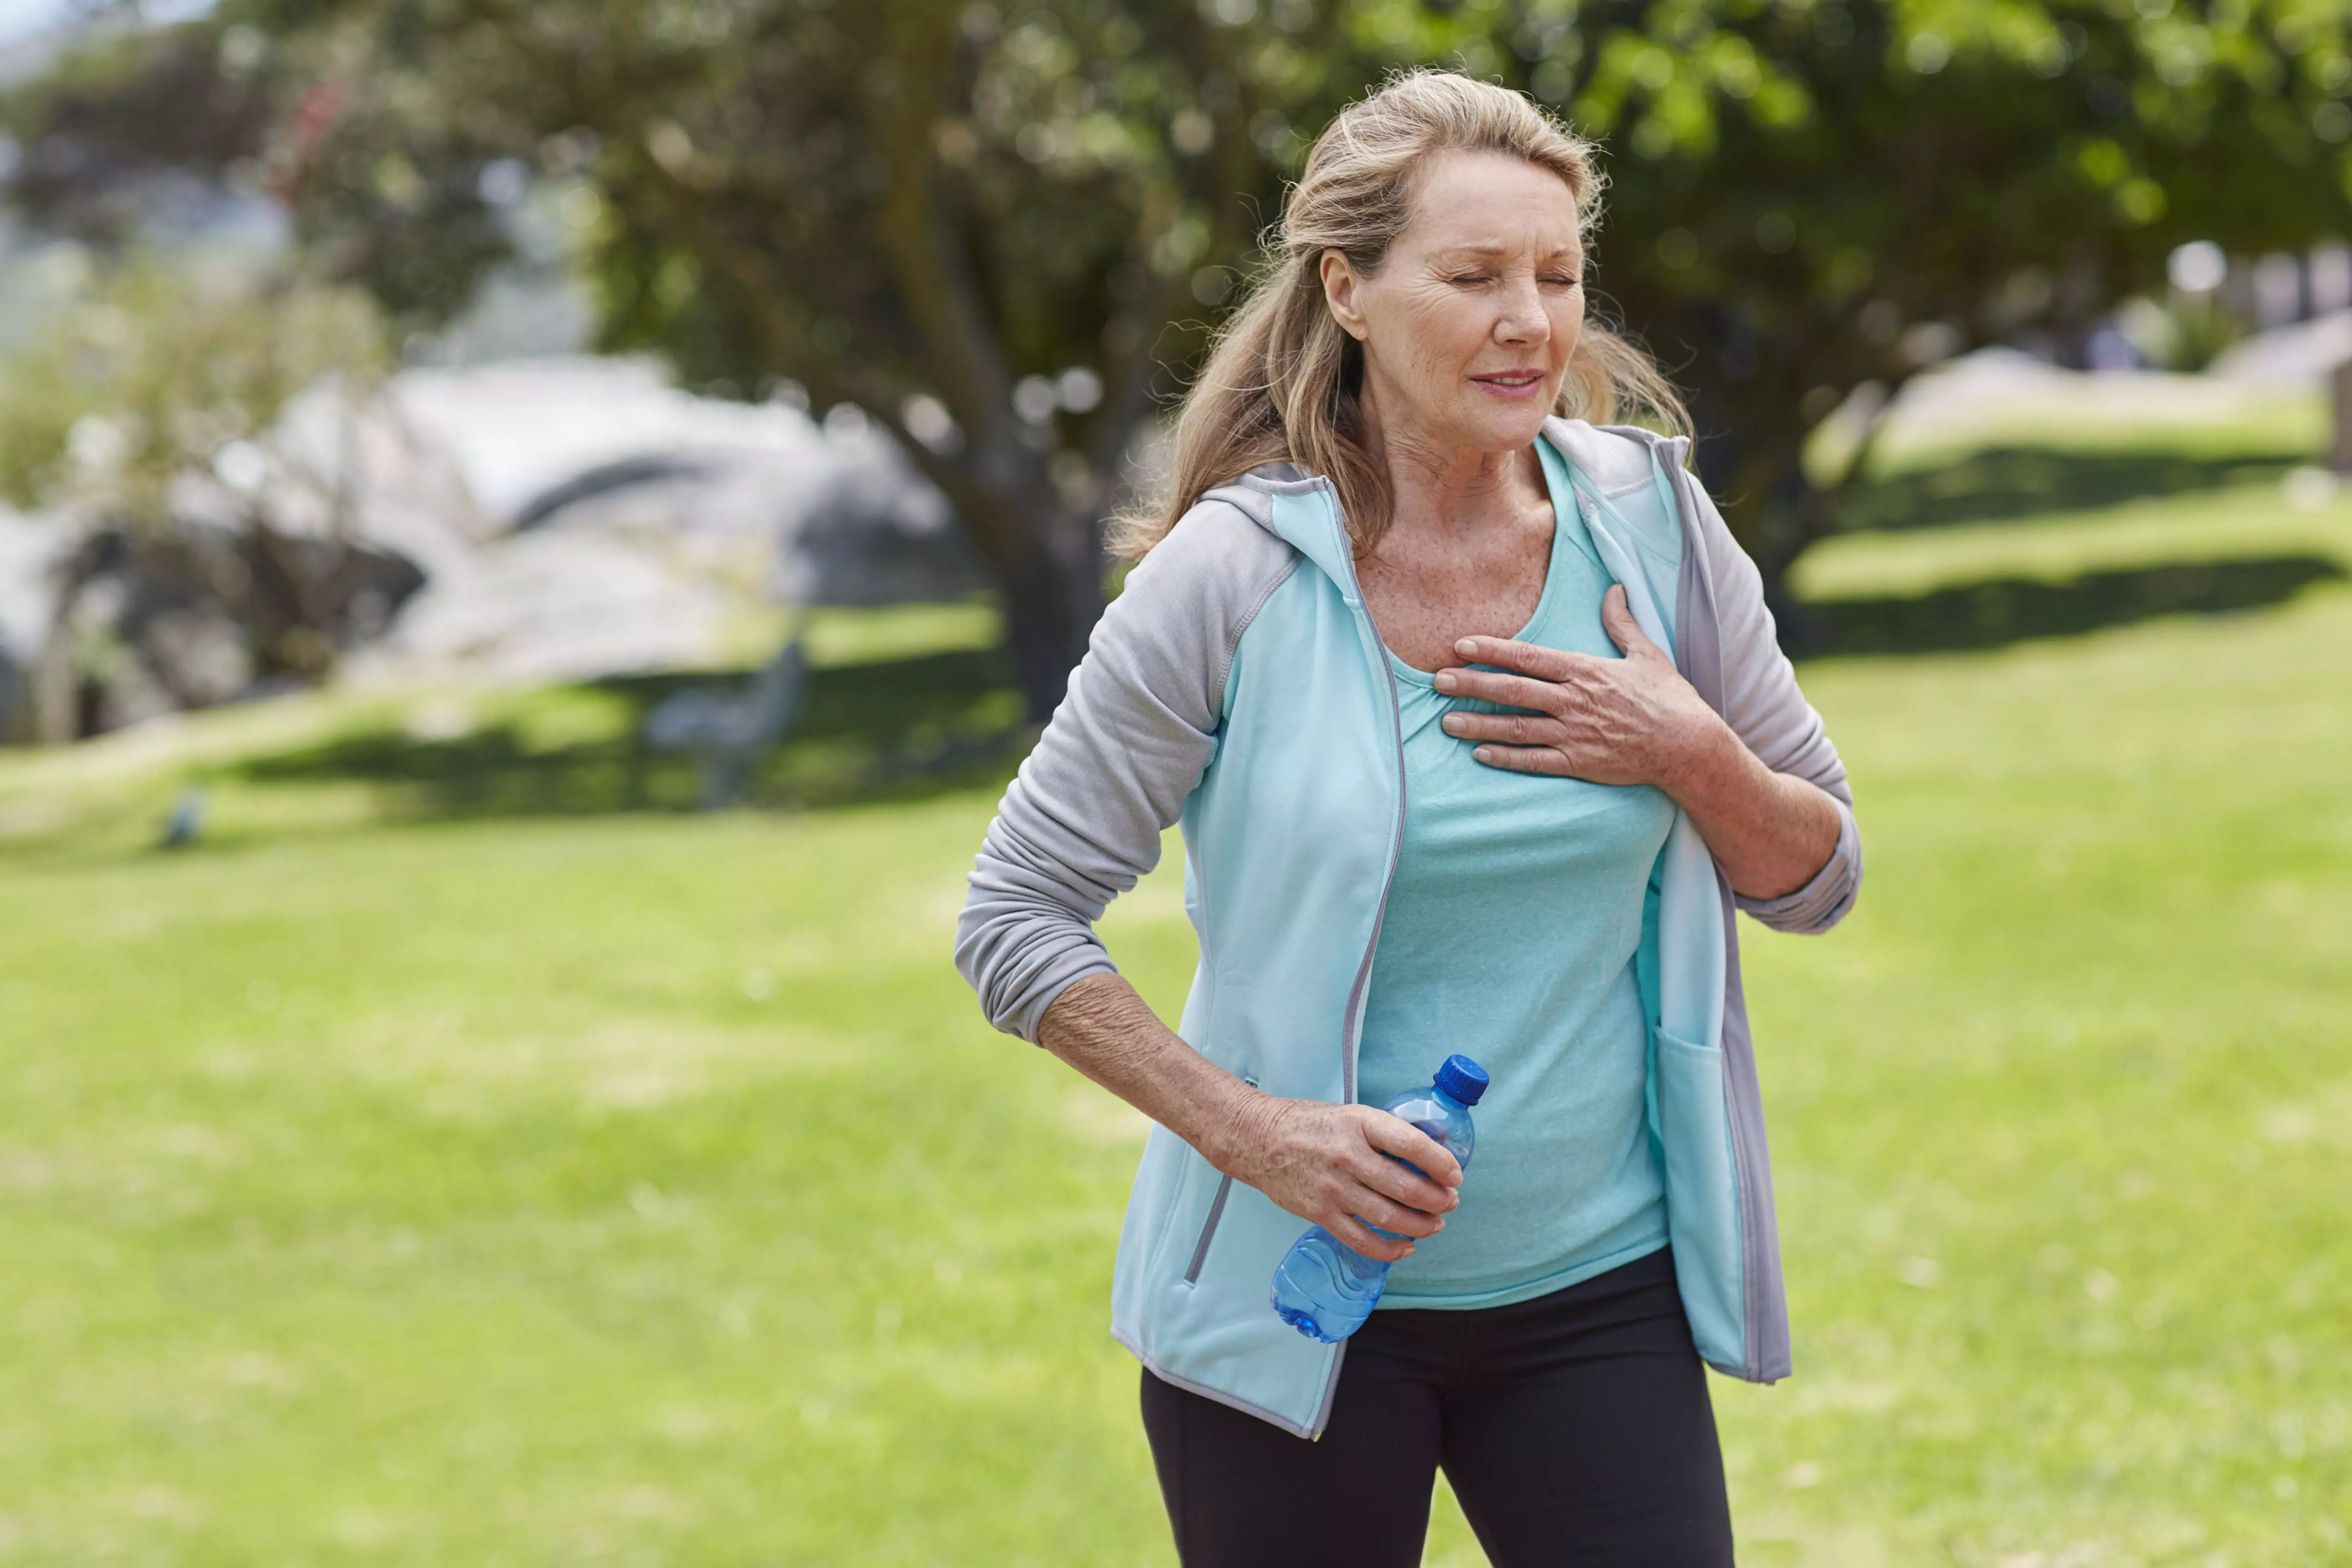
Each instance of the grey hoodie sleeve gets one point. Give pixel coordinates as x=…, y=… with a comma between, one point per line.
x=1765, y=709
x=1082, y=820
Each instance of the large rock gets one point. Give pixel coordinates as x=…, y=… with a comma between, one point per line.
x=551, y=520
x=33, y=551
x=555, y=607
x=2001, y=396
x=834, y=510
x=2304, y=353
x=639, y=528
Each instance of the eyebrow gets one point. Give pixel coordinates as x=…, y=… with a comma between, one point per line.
x=1491, y=248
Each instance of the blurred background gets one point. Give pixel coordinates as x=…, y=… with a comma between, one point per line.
x=531, y=536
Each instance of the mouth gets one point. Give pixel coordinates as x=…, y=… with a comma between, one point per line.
x=1510, y=383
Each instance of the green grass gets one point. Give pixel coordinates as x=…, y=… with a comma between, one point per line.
x=2062, y=1115
x=541, y=1184
x=2253, y=520
x=2042, y=428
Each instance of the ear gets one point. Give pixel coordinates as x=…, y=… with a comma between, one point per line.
x=1341, y=282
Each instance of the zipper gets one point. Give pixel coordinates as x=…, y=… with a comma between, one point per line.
x=1753, y=1289
x=1208, y=1230
x=1216, y=1218
x=1359, y=993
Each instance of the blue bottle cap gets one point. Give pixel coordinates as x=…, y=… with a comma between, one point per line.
x=1462, y=1078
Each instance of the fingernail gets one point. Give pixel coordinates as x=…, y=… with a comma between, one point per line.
x=1465, y=646
x=1444, y=682
x=1483, y=754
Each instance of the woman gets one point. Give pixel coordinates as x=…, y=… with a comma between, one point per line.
x=1471, y=713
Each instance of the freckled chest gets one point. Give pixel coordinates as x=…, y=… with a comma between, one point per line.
x=1425, y=591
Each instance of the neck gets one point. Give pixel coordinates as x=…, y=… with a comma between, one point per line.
x=1446, y=486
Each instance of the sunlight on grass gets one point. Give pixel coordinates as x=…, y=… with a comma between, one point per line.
x=839, y=635
x=2172, y=416
x=2265, y=517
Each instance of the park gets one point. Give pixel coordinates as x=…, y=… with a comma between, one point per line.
x=454, y=1114
x=406, y=1175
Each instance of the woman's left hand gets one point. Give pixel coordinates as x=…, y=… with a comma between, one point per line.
x=1628, y=721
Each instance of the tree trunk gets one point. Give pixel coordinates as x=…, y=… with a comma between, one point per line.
x=1049, y=572
x=1749, y=455
x=1776, y=516
x=1046, y=626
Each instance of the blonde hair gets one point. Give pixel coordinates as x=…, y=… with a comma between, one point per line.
x=1282, y=382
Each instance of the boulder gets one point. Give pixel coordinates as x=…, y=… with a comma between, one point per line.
x=554, y=605
x=635, y=527
x=552, y=519
x=32, y=552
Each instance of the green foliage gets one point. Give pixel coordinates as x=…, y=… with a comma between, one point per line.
x=128, y=107
x=913, y=205
x=880, y=202
x=154, y=372
x=2187, y=333
x=1816, y=193
x=1807, y=195
x=989, y=227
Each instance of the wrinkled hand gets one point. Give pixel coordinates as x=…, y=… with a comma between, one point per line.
x=1626, y=720
x=1328, y=1163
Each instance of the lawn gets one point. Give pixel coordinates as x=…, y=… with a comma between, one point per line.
x=412, y=1173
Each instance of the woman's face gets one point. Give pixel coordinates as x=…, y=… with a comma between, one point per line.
x=1468, y=325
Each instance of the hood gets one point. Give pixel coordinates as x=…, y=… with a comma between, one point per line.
x=1303, y=512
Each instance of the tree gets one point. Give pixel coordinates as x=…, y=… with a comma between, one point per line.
x=1815, y=194
x=989, y=230
x=994, y=225
x=206, y=535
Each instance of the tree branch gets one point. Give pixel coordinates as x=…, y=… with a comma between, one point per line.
x=929, y=258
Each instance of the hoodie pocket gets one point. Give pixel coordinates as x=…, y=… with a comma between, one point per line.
x=1703, y=1215
x=1199, y=1258
x=1208, y=1231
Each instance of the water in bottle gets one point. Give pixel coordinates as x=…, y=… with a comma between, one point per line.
x=1324, y=1288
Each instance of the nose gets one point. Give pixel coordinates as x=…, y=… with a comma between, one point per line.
x=1520, y=318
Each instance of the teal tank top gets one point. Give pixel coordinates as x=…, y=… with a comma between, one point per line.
x=1510, y=936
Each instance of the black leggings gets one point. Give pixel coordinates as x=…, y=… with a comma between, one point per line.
x=1575, y=1428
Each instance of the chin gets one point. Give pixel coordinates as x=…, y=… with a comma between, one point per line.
x=1506, y=429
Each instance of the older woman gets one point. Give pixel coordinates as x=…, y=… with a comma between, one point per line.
x=1471, y=713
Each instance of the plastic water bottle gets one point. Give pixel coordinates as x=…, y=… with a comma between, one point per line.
x=1325, y=1290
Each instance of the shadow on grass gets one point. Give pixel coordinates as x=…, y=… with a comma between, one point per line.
x=905, y=729
x=1999, y=611
x=2005, y=482
x=892, y=731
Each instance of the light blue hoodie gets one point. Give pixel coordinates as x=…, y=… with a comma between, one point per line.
x=1238, y=685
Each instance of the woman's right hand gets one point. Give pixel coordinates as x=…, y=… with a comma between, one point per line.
x=1324, y=1163
x=1330, y=1163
